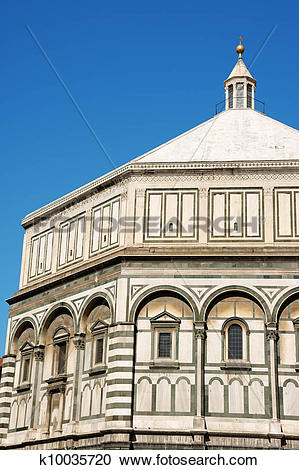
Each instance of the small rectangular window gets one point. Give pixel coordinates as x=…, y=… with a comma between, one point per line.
x=164, y=347
x=61, y=359
x=240, y=95
x=249, y=96
x=99, y=350
x=230, y=96
x=26, y=365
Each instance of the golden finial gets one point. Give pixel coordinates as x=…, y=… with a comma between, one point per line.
x=240, y=48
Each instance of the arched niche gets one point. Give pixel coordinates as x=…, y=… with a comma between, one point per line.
x=25, y=332
x=238, y=310
x=163, y=291
x=56, y=334
x=97, y=310
x=95, y=322
x=159, y=318
x=288, y=330
x=223, y=294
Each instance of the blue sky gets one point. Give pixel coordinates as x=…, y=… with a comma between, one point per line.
x=142, y=72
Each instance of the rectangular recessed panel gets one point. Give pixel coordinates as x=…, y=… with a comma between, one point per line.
x=171, y=215
x=80, y=237
x=71, y=248
x=235, y=215
x=63, y=243
x=114, y=223
x=218, y=214
x=188, y=215
x=284, y=214
x=49, y=251
x=296, y=197
x=41, y=258
x=253, y=222
x=154, y=215
x=105, y=227
x=35, y=245
x=97, y=218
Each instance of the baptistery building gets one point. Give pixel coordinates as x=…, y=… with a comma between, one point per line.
x=158, y=305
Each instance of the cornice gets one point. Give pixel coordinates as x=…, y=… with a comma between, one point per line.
x=147, y=253
x=147, y=168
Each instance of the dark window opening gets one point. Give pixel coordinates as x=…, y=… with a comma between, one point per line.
x=236, y=227
x=240, y=95
x=230, y=96
x=99, y=351
x=235, y=342
x=249, y=96
x=164, y=349
x=26, y=369
x=171, y=227
x=61, y=347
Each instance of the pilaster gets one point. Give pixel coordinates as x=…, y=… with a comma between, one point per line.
x=6, y=387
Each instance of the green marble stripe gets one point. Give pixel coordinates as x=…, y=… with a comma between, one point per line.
x=6, y=384
x=121, y=346
x=8, y=364
x=113, y=370
x=124, y=358
x=118, y=418
x=119, y=382
x=119, y=393
x=119, y=406
x=122, y=334
x=5, y=395
x=8, y=374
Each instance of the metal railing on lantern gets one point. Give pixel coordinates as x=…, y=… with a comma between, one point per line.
x=228, y=104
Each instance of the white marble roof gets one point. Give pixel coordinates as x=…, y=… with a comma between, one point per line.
x=233, y=135
x=240, y=70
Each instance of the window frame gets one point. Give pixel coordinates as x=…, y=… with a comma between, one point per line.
x=58, y=339
x=296, y=331
x=230, y=362
x=26, y=353
x=98, y=331
x=165, y=322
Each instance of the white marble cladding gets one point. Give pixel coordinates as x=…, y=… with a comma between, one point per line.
x=166, y=392
x=205, y=210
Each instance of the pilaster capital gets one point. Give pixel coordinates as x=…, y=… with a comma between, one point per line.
x=271, y=335
x=200, y=330
x=39, y=352
x=140, y=192
x=79, y=341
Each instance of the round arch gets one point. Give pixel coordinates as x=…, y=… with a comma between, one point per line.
x=157, y=291
x=18, y=330
x=88, y=305
x=284, y=301
x=50, y=315
x=231, y=291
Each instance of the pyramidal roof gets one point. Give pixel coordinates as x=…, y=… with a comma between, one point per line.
x=240, y=70
x=238, y=134
x=235, y=134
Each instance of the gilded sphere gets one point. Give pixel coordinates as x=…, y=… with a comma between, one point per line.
x=240, y=49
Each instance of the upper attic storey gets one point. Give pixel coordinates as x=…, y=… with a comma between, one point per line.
x=239, y=137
